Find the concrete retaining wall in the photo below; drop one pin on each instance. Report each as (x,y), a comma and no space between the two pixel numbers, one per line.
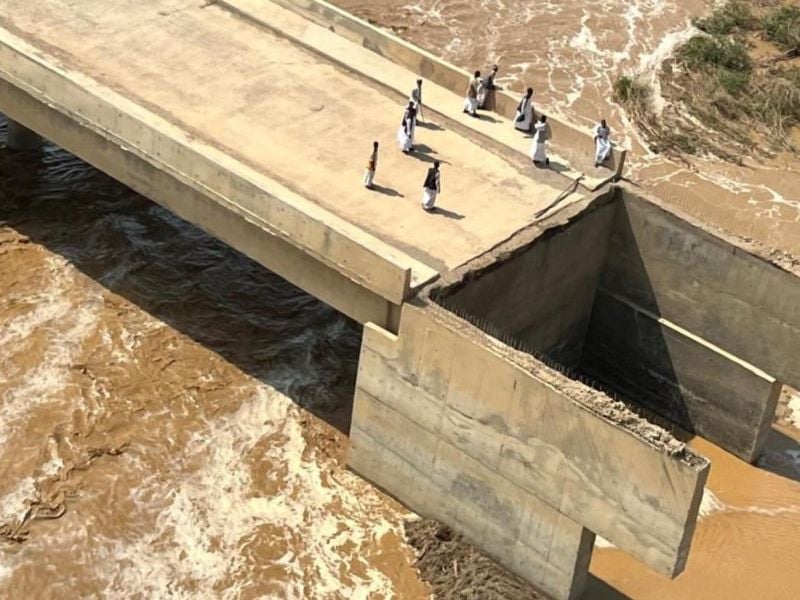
(122,129)
(735,300)
(443,398)
(573,143)
(680,376)
(542,294)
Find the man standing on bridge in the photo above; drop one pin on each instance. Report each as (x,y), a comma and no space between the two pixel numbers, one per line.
(431,187)
(372,165)
(524,118)
(602,140)
(416,98)
(487,86)
(540,137)
(405,134)
(471,100)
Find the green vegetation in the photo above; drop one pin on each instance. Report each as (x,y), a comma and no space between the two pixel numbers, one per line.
(782,26)
(724,58)
(702,52)
(631,91)
(733,17)
(714,79)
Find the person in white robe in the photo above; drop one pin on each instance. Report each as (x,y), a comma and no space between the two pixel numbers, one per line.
(486,86)
(471,99)
(524,118)
(405,134)
(431,187)
(602,140)
(541,134)
(372,166)
(416,99)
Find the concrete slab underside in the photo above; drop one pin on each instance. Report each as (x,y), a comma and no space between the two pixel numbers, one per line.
(285,112)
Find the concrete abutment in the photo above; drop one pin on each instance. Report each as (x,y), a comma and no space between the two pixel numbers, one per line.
(494,409)
(649,306)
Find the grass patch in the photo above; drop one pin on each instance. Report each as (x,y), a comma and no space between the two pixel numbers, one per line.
(629,89)
(727,93)
(733,17)
(723,58)
(706,52)
(777,102)
(782,26)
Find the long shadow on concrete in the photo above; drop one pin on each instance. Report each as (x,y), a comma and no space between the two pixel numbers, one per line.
(624,350)
(196,284)
(387,191)
(781,455)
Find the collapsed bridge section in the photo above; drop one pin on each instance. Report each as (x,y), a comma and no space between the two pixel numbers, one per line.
(494,409)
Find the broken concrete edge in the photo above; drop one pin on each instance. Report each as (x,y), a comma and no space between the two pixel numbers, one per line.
(431,67)
(359,256)
(410,374)
(596,402)
(552,224)
(776,257)
(517,243)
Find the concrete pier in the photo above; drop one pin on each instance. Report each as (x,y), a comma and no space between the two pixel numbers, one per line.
(19,137)
(511,341)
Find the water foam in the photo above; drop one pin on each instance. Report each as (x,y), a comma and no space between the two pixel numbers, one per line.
(322,524)
(65,327)
(710,504)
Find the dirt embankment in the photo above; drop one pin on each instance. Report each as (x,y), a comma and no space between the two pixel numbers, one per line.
(732,90)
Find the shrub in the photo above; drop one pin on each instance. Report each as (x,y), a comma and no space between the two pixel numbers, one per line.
(733,82)
(702,52)
(630,90)
(777,101)
(782,26)
(733,16)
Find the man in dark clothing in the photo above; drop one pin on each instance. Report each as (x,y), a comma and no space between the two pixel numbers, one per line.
(431,187)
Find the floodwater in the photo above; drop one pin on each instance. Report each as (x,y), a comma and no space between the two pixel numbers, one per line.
(169,411)
(172,414)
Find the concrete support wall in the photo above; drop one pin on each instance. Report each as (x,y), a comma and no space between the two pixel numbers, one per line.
(680,376)
(443,415)
(735,300)
(19,137)
(543,293)
(331,259)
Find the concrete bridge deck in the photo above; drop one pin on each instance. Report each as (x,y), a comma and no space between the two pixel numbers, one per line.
(258,129)
(280,116)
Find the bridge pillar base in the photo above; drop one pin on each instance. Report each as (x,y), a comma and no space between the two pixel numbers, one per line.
(19,137)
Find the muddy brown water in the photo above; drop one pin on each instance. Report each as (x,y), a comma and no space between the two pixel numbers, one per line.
(172,414)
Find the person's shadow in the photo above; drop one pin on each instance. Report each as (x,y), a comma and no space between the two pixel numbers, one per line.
(429,125)
(437,210)
(386,191)
(487,117)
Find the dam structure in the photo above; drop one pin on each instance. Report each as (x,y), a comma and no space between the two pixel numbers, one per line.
(530,350)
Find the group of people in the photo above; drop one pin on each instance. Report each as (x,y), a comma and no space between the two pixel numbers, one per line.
(477,97)
(523,120)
